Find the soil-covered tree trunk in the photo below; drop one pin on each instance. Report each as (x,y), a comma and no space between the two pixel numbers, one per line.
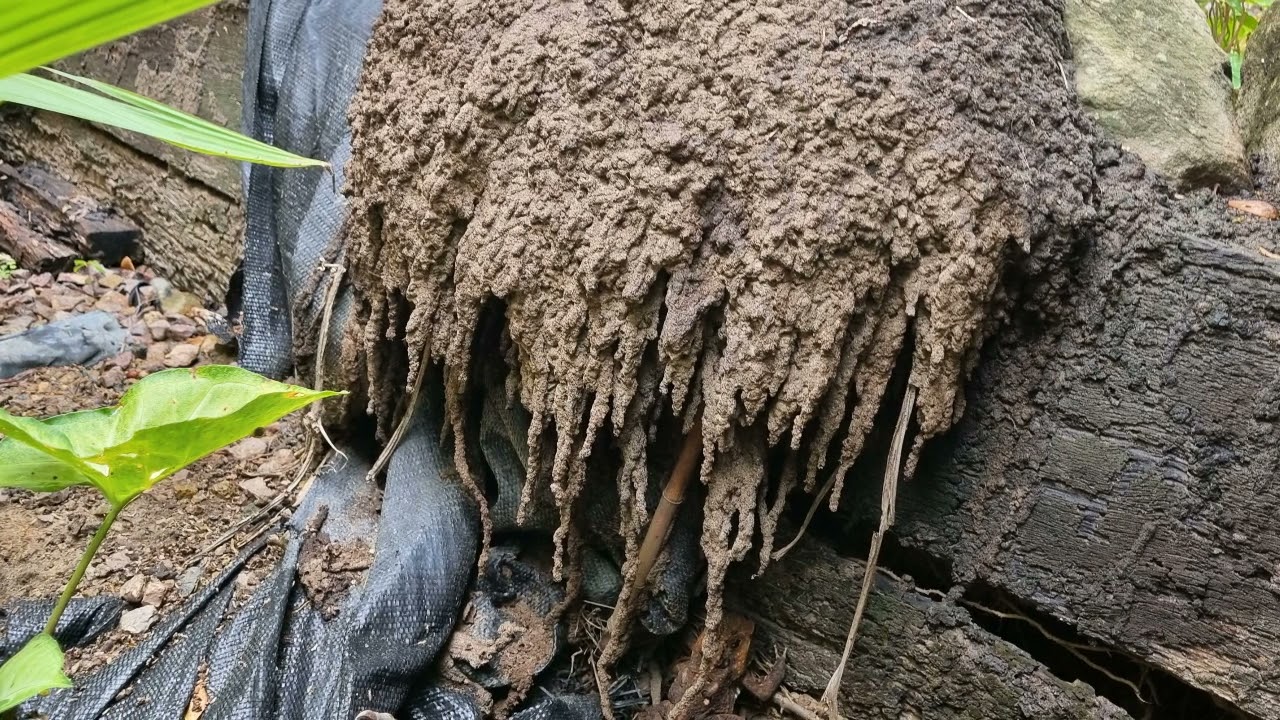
(774,218)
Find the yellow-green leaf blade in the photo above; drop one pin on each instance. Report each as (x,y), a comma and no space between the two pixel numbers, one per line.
(38,32)
(149,118)
(26,468)
(34,669)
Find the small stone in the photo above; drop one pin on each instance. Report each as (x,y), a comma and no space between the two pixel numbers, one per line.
(258,488)
(163,571)
(156,592)
(188,580)
(158,328)
(112,377)
(110,281)
(66,303)
(280,463)
(182,355)
(250,447)
(112,302)
(121,360)
(132,590)
(223,489)
(116,561)
(178,302)
(184,490)
(180,327)
(138,621)
(41,280)
(73,278)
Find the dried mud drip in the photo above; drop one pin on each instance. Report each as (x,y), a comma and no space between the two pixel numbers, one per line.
(750,208)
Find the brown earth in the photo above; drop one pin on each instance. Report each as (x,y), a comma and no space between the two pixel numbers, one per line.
(751,212)
(164,533)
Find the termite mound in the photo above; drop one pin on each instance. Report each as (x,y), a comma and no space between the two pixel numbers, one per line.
(751,212)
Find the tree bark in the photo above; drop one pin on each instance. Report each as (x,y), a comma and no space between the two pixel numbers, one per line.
(919,655)
(1116,467)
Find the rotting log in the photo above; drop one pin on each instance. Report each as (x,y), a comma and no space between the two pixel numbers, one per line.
(90,228)
(920,655)
(188,204)
(28,246)
(1116,467)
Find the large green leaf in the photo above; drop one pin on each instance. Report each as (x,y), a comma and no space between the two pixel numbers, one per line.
(37,32)
(163,423)
(130,111)
(34,669)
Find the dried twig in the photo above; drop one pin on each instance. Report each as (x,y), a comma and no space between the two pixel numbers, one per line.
(784,702)
(403,426)
(672,497)
(888,504)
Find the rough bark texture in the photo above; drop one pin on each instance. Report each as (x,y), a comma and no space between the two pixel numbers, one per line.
(919,656)
(1117,465)
(188,205)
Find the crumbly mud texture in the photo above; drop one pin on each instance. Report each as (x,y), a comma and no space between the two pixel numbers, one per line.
(752,211)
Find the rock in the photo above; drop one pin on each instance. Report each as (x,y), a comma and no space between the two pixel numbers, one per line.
(180,327)
(138,621)
(163,571)
(132,590)
(155,357)
(66,303)
(112,377)
(250,447)
(258,488)
(182,355)
(112,301)
(1259,105)
(116,561)
(280,463)
(178,302)
(188,580)
(223,489)
(184,490)
(110,281)
(73,278)
(158,328)
(156,591)
(1152,76)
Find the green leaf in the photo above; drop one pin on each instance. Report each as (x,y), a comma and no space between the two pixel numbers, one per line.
(35,669)
(163,423)
(130,111)
(37,32)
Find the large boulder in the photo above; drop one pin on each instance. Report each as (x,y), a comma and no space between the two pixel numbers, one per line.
(1260,97)
(1152,76)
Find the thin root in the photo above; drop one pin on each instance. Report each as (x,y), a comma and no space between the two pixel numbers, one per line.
(888,505)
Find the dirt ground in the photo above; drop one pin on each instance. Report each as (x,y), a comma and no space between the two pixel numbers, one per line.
(157,552)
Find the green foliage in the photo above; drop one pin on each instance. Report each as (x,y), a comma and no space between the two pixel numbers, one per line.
(7,266)
(110,105)
(163,423)
(35,669)
(35,32)
(93,266)
(1231,22)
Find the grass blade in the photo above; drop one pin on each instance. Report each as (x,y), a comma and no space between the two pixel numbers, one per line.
(37,32)
(130,111)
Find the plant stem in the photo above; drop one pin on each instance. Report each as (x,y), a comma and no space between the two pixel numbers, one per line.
(78,575)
